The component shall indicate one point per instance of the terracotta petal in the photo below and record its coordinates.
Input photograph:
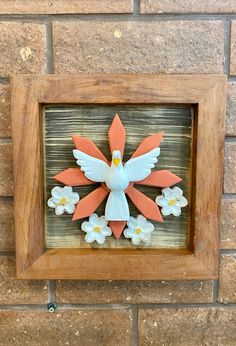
(145, 205)
(117, 228)
(148, 144)
(73, 177)
(90, 203)
(162, 178)
(117, 135)
(87, 146)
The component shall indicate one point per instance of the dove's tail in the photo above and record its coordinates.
(117, 208)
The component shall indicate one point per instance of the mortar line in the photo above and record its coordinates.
(229, 139)
(134, 327)
(229, 196)
(215, 291)
(136, 7)
(6, 199)
(7, 253)
(41, 18)
(52, 291)
(228, 252)
(49, 47)
(145, 306)
(5, 140)
(227, 35)
(4, 80)
(231, 78)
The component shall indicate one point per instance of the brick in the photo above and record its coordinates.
(6, 174)
(187, 327)
(65, 6)
(231, 110)
(188, 6)
(5, 126)
(230, 168)
(78, 327)
(227, 283)
(7, 241)
(22, 47)
(233, 49)
(228, 224)
(115, 292)
(166, 47)
(13, 291)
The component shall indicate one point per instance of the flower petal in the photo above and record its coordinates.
(183, 202)
(128, 233)
(145, 205)
(59, 210)
(73, 177)
(101, 221)
(166, 211)
(148, 144)
(163, 178)
(87, 146)
(167, 192)
(117, 135)
(177, 192)
(106, 231)
(148, 228)
(161, 201)
(93, 219)
(146, 237)
(136, 240)
(100, 238)
(90, 237)
(57, 192)
(141, 220)
(132, 222)
(74, 198)
(176, 211)
(70, 208)
(90, 203)
(87, 227)
(67, 191)
(51, 203)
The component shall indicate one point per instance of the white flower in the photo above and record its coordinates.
(139, 229)
(171, 201)
(96, 229)
(63, 200)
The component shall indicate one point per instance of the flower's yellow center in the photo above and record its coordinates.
(97, 229)
(116, 161)
(63, 201)
(171, 202)
(138, 230)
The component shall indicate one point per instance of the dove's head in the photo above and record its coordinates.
(116, 158)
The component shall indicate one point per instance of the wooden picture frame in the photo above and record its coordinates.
(30, 92)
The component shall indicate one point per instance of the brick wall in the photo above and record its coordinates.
(68, 36)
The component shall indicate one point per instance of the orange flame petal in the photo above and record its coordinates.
(148, 144)
(73, 177)
(87, 146)
(117, 135)
(162, 178)
(90, 203)
(145, 205)
(117, 228)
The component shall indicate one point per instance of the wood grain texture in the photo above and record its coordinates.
(62, 122)
(207, 93)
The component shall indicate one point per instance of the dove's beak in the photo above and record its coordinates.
(116, 161)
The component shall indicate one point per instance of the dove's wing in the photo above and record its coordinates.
(140, 167)
(93, 168)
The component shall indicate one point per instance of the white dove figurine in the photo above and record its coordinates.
(117, 177)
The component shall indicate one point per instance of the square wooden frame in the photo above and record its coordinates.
(29, 93)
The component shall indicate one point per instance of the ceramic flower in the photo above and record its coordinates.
(63, 200)
(171, 201)
(96, 229)
(139, 230)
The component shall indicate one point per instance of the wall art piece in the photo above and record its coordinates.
(114, 175)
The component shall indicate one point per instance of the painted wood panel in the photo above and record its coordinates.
(60, 122)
